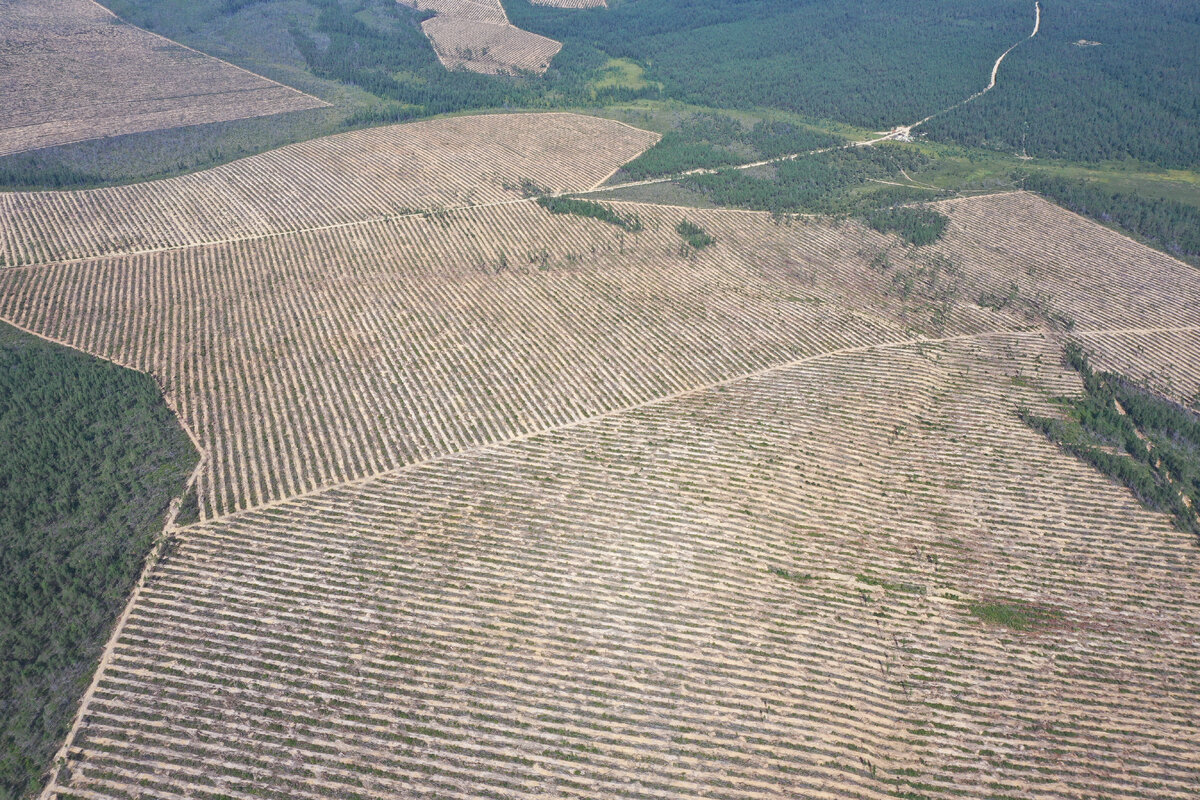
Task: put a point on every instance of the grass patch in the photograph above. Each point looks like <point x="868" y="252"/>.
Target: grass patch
<point x="787" y="574"/>
<point x="891" y="586"/>
<point x="1013" y="615"/>
<point x="621" y="73"/>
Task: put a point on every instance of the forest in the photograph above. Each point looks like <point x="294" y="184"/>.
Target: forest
<point x="917" y="226"/>
<point x="1097" y="84"/>
<point x="820" y="183"/>
<point x="708" y="140"/>
<point x="1091" y="87"/>
<point x="591" y="210"/>
<point x="873" y="63"/>
<point x="92" y="458"/>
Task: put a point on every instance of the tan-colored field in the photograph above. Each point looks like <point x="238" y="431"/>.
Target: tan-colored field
<point x="754" y="591"/>
<point x="307" y="359"/>
<point x="476" y="35"/>
<point x="352" y="177"/>
<point x="499" y="503"/>
<point x="71" y="71"/>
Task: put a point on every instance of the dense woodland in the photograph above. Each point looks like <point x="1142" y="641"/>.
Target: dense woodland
<point x="1100" y="82"/>
<point x="92" y="458"/>
<point x="818" y="183"/>
<point x="875" y="63"/>
<point x="917" y="226"/>
<point x="591" y="210"/>
<point x="708" y="140"/>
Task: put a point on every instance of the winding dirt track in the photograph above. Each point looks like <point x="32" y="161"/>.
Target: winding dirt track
<point x="901" y="132"/>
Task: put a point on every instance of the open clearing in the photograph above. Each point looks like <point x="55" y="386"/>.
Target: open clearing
<point x="71" y="71"/>
<point x="500" y="503"/>
<point x="476" y="35"/>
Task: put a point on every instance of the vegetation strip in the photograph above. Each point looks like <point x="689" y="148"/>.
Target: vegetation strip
<point x="1132" y="435"/>
<point x="590" y="209"/>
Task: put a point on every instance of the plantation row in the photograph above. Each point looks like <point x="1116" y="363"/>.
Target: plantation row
<point x="468" y="10"/>
<point x="1031" y="257"/>
<point x="1168" y="362"/>
<point x="476" y="35"/>
<point x="316" y="358"/>
<point x="489" y="48"/>
<point x="82" y="74"/>
<point x="339" y="179"/>
<point x="759" y="590"/>
<point x="307" y="360"/>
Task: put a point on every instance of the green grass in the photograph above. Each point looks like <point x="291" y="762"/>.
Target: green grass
<point x="890" y="586"/>
<point x="1013" y="615"/>
<point x="620" y="73"/>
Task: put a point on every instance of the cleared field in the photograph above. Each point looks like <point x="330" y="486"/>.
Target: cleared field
<point x="758" y="590"/>
<point x="1169" y="362"/>
<point x="466" y="10"/>
<point x="487" y="47"/>
<point x="71" y="71"/>
<point x="503" y="503"/>
<point x="477" y="36"/>
<point x="305" y="360"/>
<point x="351" y="177"/>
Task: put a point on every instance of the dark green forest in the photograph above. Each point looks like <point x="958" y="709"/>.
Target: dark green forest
<point x="708" y="140"/>
<point x="821" y="183"/>
<point x="917" y="226"/>
<point x="1153" y="448"/>
<point x="1102" y="81"/>
<point x="591" y="210"/>
<point x="92" y="458"/>
<point x="1134" y="94"/>
<point x="874" y="63"/>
